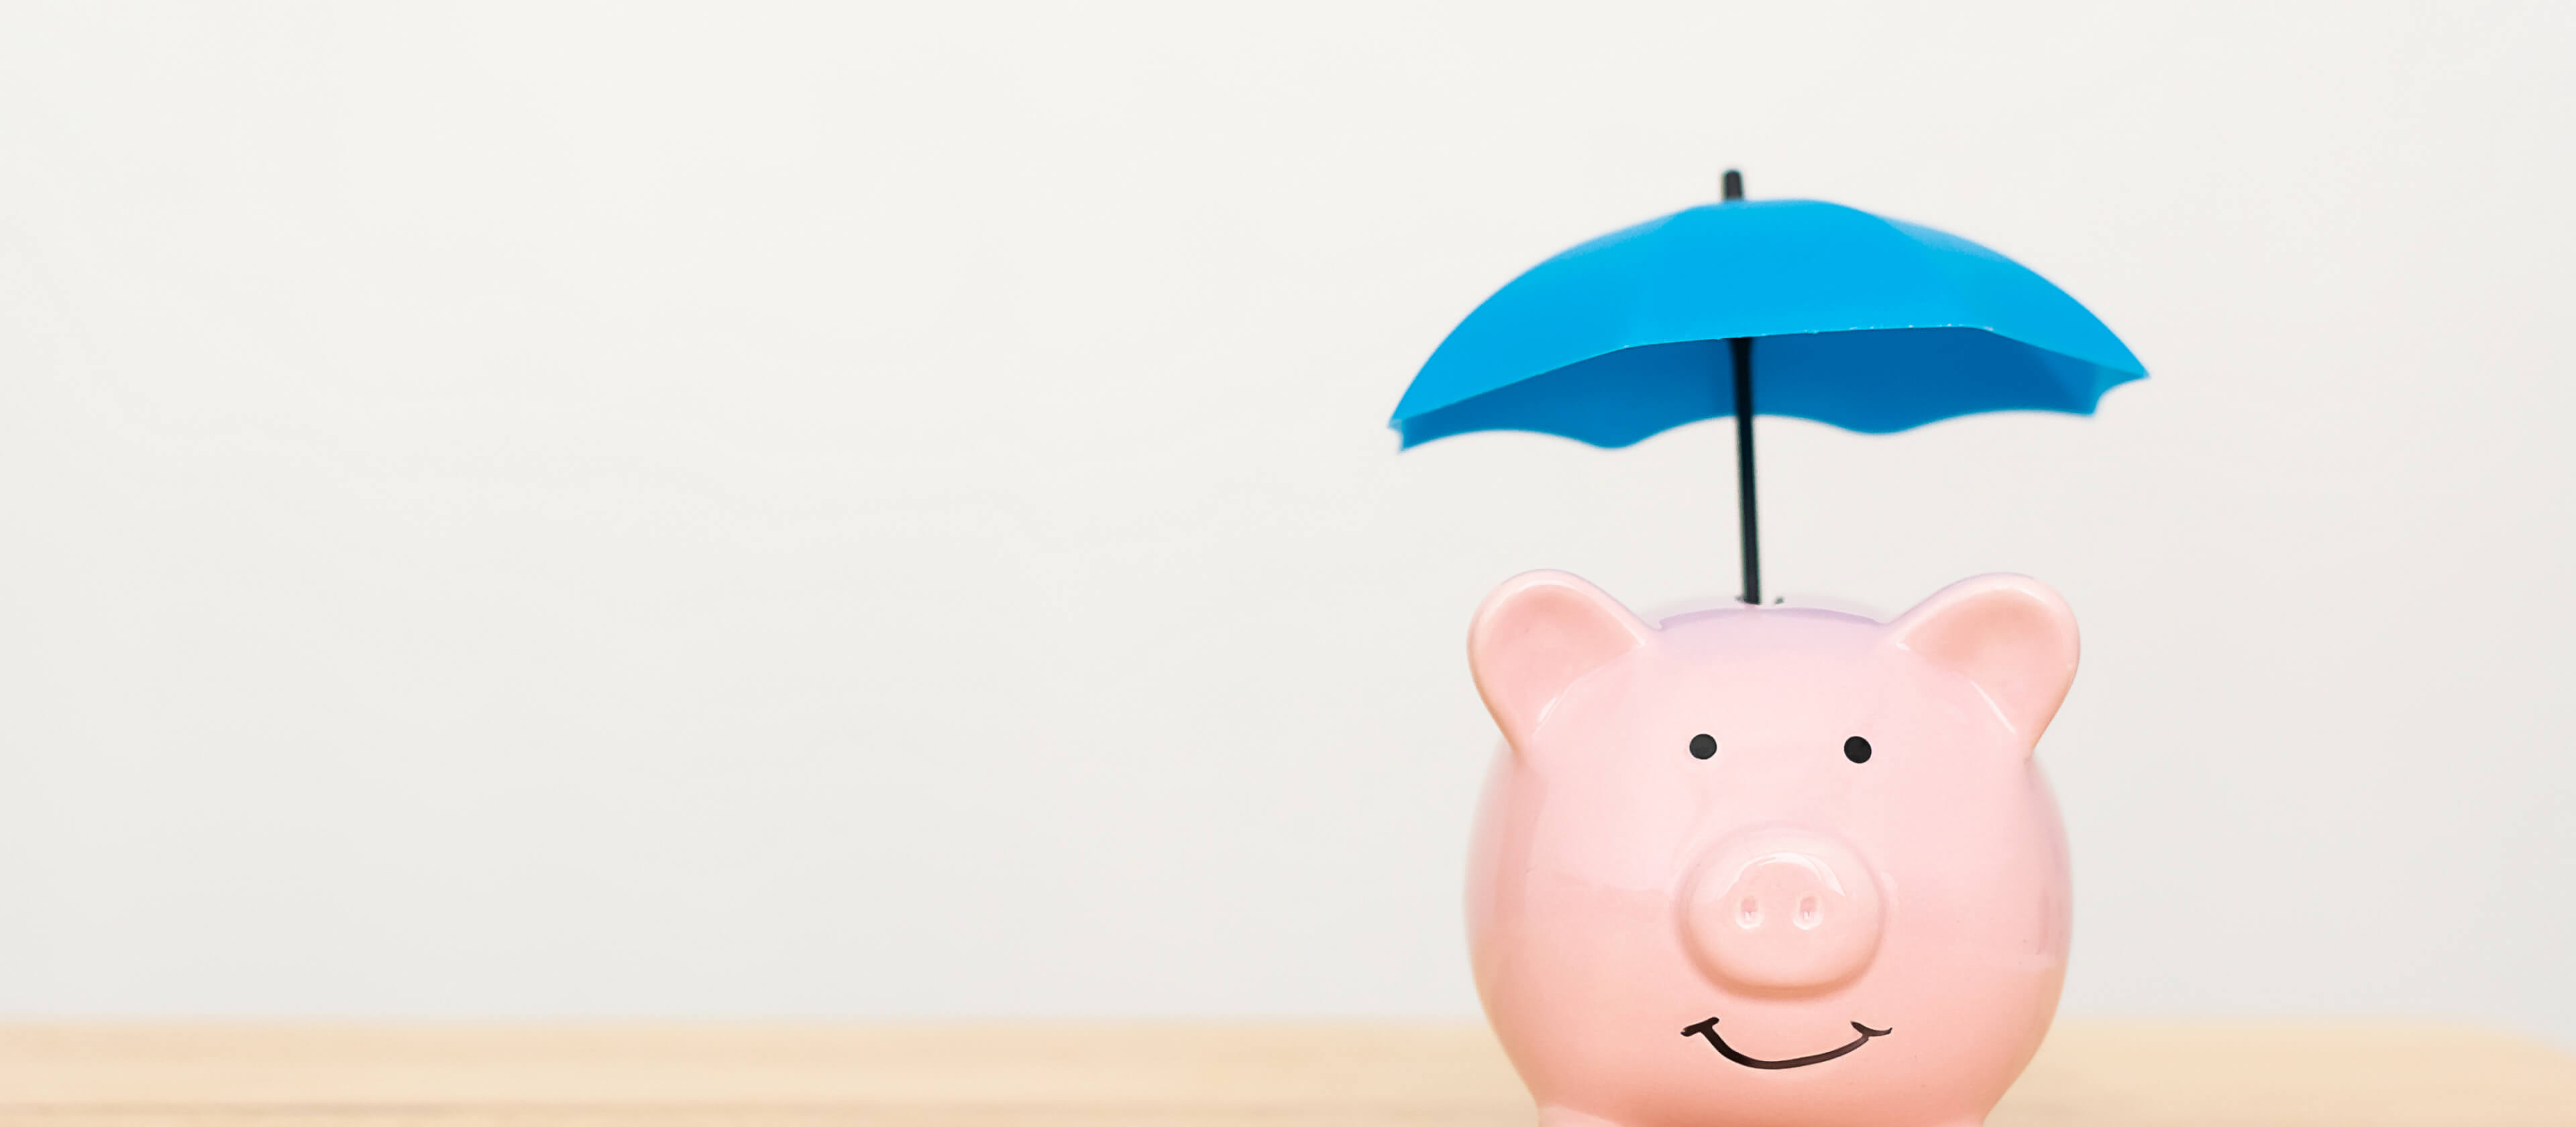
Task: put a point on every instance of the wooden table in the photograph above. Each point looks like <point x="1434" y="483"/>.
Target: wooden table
<point x="1275" y="1075"/>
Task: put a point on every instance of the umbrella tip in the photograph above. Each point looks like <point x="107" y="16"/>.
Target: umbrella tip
<point x="1733" y="186"/>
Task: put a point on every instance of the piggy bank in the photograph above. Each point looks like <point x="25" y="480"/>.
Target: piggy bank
<point x="1769" y="865"/>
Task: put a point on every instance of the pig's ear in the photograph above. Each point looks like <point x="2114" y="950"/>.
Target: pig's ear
<point x="1535" y="635"/>
<point x="2009" y="635"/>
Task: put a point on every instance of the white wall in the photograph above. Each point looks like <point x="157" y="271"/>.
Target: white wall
<point x="884" y="512"/>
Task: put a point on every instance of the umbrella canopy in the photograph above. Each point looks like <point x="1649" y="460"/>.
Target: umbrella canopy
<point x="1867" y="323"/>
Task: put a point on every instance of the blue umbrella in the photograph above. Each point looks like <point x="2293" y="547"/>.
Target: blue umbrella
<point x="1866" y="323"/>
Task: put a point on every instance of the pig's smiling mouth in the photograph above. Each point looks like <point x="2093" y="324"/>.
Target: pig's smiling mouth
<point x="1708" y="1029"/>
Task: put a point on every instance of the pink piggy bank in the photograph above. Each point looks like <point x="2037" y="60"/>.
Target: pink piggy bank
<point x="1767" y="865"/>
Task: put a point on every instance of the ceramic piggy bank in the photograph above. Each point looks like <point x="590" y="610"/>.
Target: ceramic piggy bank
<point x="1769" y="865"/>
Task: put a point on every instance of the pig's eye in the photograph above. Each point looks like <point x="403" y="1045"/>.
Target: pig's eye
<point x="1703" y="745"/>
<point x="1856" y="749"/>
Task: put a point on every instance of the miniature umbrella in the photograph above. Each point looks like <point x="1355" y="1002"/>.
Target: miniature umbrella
<point x="1869" y="324"/>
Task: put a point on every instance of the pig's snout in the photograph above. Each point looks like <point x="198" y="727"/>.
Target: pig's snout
<point x="1782" y="911"/>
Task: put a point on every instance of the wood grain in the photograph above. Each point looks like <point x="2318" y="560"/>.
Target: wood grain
<point x="1275" y="1075"/>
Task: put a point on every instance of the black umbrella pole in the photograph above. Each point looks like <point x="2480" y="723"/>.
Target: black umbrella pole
<point x="1742" y="347"/>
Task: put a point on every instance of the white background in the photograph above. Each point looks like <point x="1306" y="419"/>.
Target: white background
<point x="887" y="511"/>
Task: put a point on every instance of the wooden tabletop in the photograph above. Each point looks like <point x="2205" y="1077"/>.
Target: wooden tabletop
<point x="1275" y="1075"/>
